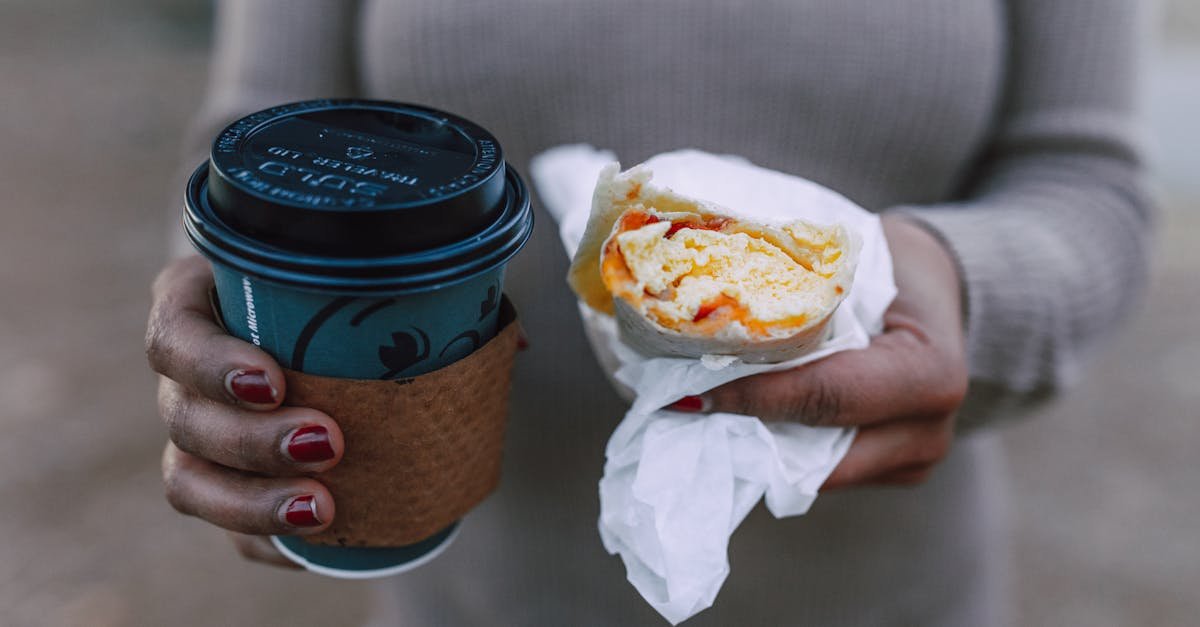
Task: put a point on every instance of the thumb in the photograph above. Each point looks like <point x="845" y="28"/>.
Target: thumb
<point x="899" y="375"/>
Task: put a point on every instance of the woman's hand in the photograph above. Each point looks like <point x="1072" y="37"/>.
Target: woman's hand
<point x="902" y="391"/>
<point x="235" y="457"/>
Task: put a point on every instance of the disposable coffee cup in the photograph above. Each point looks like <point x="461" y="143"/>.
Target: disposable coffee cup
<point x="363" y="240"/>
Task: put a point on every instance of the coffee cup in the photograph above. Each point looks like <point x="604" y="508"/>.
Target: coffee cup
<point x="362" y="240"/>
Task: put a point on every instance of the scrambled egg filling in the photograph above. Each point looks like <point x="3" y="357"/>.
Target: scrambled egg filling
<point x="687" y="275"/>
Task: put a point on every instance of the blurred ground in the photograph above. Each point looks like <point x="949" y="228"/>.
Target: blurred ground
<point x="93" y="97"/>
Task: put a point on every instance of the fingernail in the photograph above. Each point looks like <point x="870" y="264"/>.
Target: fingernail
<point x="250" y="386"/>
<point x="522" y="342"/>
<point x="302" y="512"/>
<point x="310" y="444"/>
<point x="689" y="404"/>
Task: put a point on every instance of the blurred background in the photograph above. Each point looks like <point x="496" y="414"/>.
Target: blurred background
<point x="94" y="97"/>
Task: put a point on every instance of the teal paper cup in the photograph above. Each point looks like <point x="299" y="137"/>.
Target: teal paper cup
<point x="363" y="240"/>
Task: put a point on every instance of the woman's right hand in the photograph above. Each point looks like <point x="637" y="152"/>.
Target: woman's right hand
<point x="235" y="457"/>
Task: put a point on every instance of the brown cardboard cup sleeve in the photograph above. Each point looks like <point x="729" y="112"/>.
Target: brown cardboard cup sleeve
<point x="420" y="452"/>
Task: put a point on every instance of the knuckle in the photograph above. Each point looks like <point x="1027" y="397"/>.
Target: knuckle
<point x="818" y="404"/>
<point x="165" y="397"/>
<point x="180" y="415"/>
<point x="254" y="452"/>
<point x="165" y="350"/>
<point x="161" y="318"/>
<point x="155" y="341"/>
<point x="785" y="396"/>
<point x="261" y="501"/>
<point x="732" y="398"/>
<point x="747" y="398"/>
<point x="169" y="397"/>
<point x="249" y="508"/>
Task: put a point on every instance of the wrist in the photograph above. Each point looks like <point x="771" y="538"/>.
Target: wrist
<point x="927" y="269"/>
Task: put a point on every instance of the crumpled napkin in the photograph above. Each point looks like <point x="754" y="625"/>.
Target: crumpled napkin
<point x="676" y="485"/>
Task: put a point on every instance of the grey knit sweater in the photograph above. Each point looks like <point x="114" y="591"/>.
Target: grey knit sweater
<point x="1005" y="127"/>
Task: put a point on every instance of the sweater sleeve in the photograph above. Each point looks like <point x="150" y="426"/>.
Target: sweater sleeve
<point x="1051" y="234"/>
<point x="268" y="52"/>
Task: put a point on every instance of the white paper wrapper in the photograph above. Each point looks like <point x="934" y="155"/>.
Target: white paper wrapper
<point x="676" y="485"/>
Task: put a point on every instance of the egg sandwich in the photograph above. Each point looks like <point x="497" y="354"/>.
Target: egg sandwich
<point x="685" y="277"/>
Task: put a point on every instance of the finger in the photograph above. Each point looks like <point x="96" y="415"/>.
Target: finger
<point x="286" y="441"/>
<point x="244" y="503"/>
<point x="260" y="549"/>
<point x="899" y="374"/>
<point x="895" y="448"/>
<point x="185" y="343"/>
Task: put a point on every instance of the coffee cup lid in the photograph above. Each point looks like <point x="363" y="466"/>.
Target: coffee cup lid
<point x="357" y="189"/>
<point x="355" y="177"/>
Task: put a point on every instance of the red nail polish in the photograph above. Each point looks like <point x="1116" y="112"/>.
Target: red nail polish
<point x="252" y="386"/>
<point x="688" y="403"/>
<point x="522" y="342"/>
<point x="310" y="444"/>
<point x="302" y="512"/>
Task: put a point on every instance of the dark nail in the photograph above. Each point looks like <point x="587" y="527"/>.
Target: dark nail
<point x="302" y="512"/>
<point x="310" y="444"/>
<point x="251" y="386"/>
<point x="688" y="404"/>
<point x="522" y="342"/>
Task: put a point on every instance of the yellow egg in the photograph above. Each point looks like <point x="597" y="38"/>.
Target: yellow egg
<point x="680" y="272"/>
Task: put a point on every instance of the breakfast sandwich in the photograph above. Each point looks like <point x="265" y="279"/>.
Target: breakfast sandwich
<point x="685" y="277"/>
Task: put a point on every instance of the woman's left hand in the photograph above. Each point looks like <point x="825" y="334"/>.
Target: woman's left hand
<point x="902" y="391"/>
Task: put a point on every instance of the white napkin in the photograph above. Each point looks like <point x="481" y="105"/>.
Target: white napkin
<point x="676" y="485"/>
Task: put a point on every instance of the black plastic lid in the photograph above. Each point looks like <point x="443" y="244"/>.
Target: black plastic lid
<point x="357" y="196"/>
<point x="356" y="177"/>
